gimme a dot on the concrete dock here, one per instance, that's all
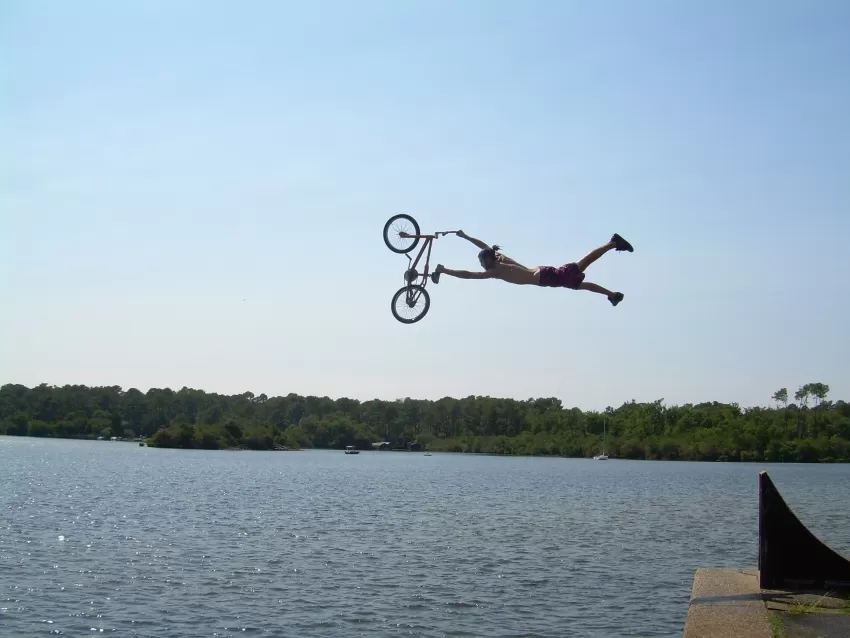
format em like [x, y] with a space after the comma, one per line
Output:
[729, 603]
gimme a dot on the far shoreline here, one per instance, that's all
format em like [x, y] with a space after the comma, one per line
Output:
[809, 429]
[143, 441]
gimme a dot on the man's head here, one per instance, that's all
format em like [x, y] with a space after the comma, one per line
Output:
[487, 258]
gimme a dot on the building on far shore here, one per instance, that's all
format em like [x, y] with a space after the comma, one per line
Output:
[381, 445]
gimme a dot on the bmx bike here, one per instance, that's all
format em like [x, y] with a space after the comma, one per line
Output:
[401, 235]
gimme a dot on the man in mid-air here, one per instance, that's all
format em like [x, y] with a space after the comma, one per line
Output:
[499, 266]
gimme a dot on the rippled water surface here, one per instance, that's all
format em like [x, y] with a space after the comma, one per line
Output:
[100, 537]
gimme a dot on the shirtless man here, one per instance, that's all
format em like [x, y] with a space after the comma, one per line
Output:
[499, 266]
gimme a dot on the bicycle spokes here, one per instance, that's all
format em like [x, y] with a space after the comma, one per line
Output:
[411, 304]
[398, 227]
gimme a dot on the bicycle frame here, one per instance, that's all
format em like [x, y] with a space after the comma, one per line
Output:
[425, 250]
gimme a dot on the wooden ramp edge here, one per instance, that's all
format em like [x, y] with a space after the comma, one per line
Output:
[790, 556]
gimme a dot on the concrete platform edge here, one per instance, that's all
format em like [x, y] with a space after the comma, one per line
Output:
[727, 603]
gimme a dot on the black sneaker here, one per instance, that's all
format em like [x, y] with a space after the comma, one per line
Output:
[616, 298]
[621, 244]
[435, 277]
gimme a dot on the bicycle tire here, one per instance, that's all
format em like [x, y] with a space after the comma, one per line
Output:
[404, 291]
[396, 218]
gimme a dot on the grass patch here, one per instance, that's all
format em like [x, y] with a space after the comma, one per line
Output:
[777, 625]
[800, 609]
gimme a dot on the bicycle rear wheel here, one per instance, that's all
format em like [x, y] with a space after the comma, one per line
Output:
[411, 303]
[398, 224]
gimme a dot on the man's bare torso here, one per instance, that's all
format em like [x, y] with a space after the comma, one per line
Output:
[513, 272]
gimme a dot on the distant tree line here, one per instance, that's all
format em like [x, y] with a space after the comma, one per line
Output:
[810, 429]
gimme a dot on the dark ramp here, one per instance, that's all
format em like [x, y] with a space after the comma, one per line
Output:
[790, 556]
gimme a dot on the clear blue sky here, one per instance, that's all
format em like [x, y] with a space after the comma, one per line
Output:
[161, 162]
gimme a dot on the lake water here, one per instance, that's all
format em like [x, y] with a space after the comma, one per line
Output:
[101, 537]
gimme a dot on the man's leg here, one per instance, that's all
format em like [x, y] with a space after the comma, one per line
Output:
[616, 242]
[586, 285]
[593, 255]
[613, 297]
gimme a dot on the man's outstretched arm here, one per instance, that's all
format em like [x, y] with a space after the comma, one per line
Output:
[463, 274]
[477, 242]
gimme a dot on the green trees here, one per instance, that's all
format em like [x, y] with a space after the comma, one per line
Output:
[651, 430]
[781, 396]
[818, 391]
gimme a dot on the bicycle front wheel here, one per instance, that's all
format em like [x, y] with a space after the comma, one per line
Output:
[411, 303]
[401, 224]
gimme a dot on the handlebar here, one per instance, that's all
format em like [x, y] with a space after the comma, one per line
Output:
[404, 235]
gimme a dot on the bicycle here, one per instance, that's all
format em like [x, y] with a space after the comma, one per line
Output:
[399, 226]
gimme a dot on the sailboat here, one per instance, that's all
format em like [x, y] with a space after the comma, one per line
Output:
[603, 456]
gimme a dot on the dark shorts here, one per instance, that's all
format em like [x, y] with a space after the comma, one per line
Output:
[567, 276]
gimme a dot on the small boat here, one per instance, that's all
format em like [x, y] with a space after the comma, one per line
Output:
[427, 454]
[349, 449]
